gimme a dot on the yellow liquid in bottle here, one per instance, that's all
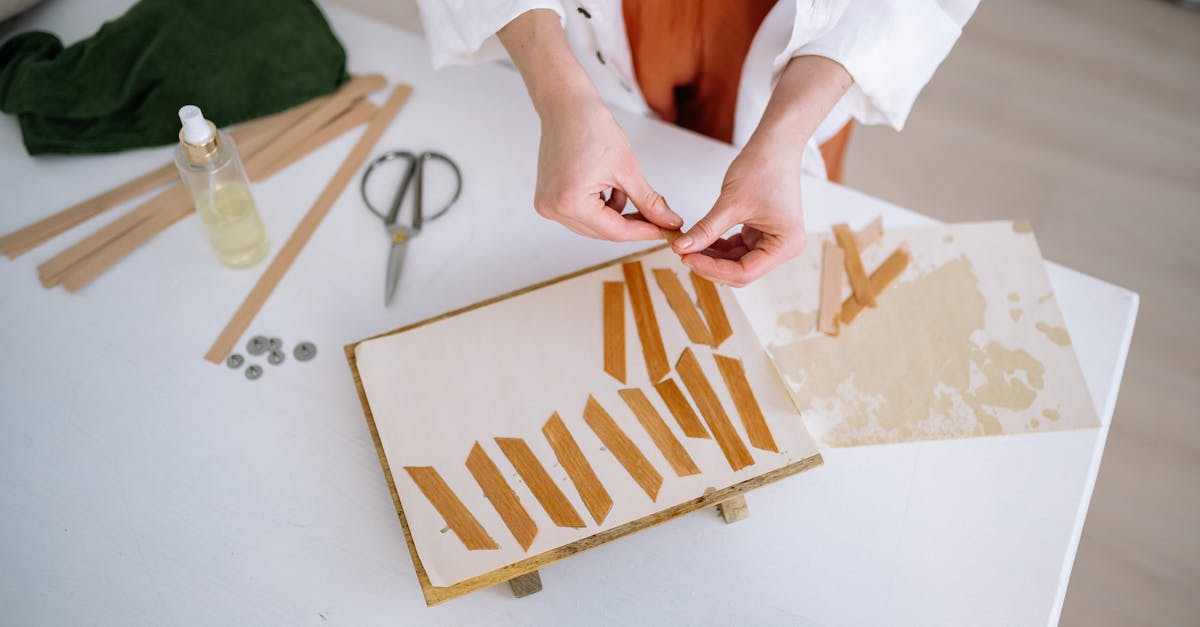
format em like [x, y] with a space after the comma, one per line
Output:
[233, 224]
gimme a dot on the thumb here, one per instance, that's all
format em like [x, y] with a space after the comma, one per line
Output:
[721, 218]
[648, 202]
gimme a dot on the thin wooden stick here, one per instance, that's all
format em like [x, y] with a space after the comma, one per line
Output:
[870, 233]
[859, 282]
[734, 374]
[79, 275]
[621, 447]
[880, 279]
[681, 304]
[659, 432]
[710, 303]
[460, 519]
[576, 465]
[614, 329]
[832, 271]
[497, 490]
[361, 112]
[714, 414]
[681, 409]
[649, 334]
[308, 224]
[544, 489]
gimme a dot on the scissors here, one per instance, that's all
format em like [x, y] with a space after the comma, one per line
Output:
[400, 233]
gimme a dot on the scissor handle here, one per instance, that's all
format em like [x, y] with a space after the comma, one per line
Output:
[394, 211]
[415, 170]
[418, 217]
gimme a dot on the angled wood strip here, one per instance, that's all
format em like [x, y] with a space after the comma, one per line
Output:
[870, 233]
[880, 279]
[619, 444]
[594, 496]
[308, 225]
[544, 489]
[859, 282]
[710, 303]
[460, 519]
[497, 490]
[80, 274]
[361, 112]
[832, 263]
[714, 414]
[681, 409]
[681, 304]
[614, 329]
[659, 432]
[645, 320]
[747, 406]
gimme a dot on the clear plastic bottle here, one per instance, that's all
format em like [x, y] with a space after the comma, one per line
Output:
[209, 165]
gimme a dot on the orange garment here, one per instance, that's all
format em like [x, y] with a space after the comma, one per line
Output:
[688, 55]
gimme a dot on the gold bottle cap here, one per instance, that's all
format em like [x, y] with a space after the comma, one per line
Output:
[202, 154]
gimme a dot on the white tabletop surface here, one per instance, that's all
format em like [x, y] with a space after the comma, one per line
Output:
[141, 485]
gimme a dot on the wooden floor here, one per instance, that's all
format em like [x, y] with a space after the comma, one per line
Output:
[1083, 116]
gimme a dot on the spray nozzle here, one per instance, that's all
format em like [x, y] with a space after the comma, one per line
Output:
[196, 129]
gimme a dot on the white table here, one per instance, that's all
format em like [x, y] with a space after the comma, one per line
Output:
[140, 485]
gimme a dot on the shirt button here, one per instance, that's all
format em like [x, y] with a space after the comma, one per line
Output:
[583, 12]
[601, 58]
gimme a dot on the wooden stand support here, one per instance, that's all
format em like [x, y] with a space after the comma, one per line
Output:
[734, 509]
[526, 584]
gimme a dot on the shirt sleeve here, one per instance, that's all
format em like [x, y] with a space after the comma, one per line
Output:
[890, 47]
[462, 32]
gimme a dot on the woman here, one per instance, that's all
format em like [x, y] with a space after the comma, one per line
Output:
[775, 78]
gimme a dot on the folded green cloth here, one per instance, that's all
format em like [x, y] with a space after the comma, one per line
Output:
[121, 88]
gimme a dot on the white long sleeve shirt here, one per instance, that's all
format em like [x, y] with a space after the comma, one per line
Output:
[890, 47]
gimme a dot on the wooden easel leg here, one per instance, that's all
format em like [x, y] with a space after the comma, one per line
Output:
[734, 509]
[526, 584]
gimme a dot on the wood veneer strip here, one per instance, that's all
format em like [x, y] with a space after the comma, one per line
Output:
[460, 519]
[757, 431]
[689, 318]
[361, 111]
[502, 497]
[308, 224]
[646, 321]
[714, 414]
[860, 283]
[659, 432]
[80, 274]
[880, 279]
[714, 312]
[870, 233]
[290, 139]
[571, 458]
[832, 270]
[619, 444]
[614, 329]
[539, 482]
[681, 409]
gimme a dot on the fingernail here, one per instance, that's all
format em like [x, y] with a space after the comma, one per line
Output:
[676, 220]
[683, 242]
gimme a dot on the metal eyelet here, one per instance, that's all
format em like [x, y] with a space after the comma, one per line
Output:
[235, 361]
[276, 357]
[253, 371]
[304, 351]
[276, 343]
[258, 345]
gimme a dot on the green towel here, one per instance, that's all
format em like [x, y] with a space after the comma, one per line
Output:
[122, 87]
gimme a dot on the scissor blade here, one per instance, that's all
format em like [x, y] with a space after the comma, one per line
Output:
[395, 265]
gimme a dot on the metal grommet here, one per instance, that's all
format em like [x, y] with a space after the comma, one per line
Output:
[305, 351]
[253, 371]
[235, 361]
[258, 345]
[276, 357]
[276, 343]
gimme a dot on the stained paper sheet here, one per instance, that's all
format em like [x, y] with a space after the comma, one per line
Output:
[503, 369]
[967, 342]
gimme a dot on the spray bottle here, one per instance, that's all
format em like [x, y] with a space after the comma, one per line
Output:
[209, 165]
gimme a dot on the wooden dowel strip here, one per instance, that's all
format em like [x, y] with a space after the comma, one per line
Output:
[860, 283]
[460, 519]
[92, 266]
[689, 318]
[571, 458]
[614, 329]
[502, 497]
[358, 114]
[621, 447]
[880, 279]
[646, 321]
[681, 409]
[292, 137]
[544, 489]
[832, 271]
[757, 431]
[714, 414]
[714, 312]
[659, 432]
[870, 233]
[308, 224]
